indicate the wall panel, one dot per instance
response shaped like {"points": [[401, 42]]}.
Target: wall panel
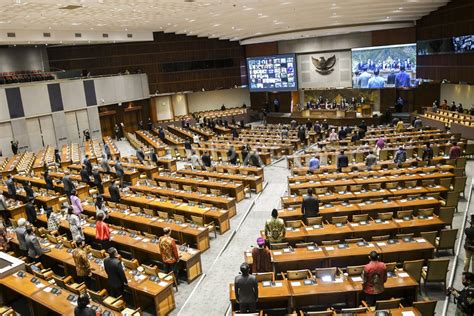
{"points": [[73, 95], [35, 99], [209, 100], [6, 135], [4, 112], [47, 130]]}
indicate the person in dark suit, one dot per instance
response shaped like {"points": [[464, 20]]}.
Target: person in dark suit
{"points": [[11, 187], [33, 246], [114, 192], [14, 146], [88, 164], [28, 190], [30, 211], [48, 180], [97, 180], [115, 274], [154, 157], [68, 184], [84, 175], [246, 290], [342, 161], [310, 205], [232, 155], [82, 308], [206, 159], [140, 155], [149, 124], [119, 171]]}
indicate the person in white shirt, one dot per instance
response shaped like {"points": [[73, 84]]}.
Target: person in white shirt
{"points": [[333, 137], [195, 162], [196, 139]]}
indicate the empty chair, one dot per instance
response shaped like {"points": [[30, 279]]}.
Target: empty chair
{"points": [[340, 188], [390, 266], [297, 274], [387, 304], [406, 213], [385, 216], [187, 188], [355, 310], [354, 270], [446, 239], [427, 182], [430, 236], [294, 224], [445, 182], [435, 271], [391, 185], [446, 214], [410, 184], [355, 187], [179, 218], [426, 308], [339, 219], [314, 220], [325, 272], [425, 212], [407, 235], [131, 264], [375, 186], [413, 268], [360, 218], [380, 238], [114, 303], [265, 276], [330, 242], [280, 245], [319, 191], [304, 244], [321, 313], [202, 190], [216, 191], [353, 240], [459, 184], [198, 220], [163, 215]]}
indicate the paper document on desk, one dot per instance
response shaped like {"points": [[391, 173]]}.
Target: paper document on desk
{"points": [[278, 284], [163, 284], [276, 253], [47, 289], [408, 313], [356, 279], [403, 274], [296, 283], [381, 244]]}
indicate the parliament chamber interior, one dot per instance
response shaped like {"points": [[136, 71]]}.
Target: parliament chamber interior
{"points": [[260, 158]]}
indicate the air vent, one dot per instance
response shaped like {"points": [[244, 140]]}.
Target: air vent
{"points": [[77, 35], [46, 34], [71, 7], [105, 35], [11, 35], [129, 35]]}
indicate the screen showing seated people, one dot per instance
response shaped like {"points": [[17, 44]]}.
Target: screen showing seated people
{"points": [[384, 66], [272, 73], [463, 44]]}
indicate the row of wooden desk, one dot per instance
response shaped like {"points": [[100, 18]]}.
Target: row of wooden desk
{"points": [[81, 189], [296, 294]]}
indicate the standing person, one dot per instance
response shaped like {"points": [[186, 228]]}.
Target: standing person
{"points": [[310, 206], [104, 164], [107, 152], [87, 135], [28, 190], [69, 186], [232, 155], [196, 139], [333, 136], [253, 159], [399, 127], [30, 211], [82, 308], [246, 290], [275, 228], [235, 133], [97, 179], [154, 157], [188, 148], [465, 297], [14, 145], [206, 159], [417, 123], [76, 203], [32, 245], [302, 135], [276, 103], [11, 187], [454, 151], [83, 266], [469, 244], [57, 156], [140, 155], [161, 134], [427, 153], [149, 124], [400, 156], [370, 160], [20, 232], [85, 177], [4, 246], [102, 231], [54, 219], [169, 252], [48, 180], [74, 225], [114, 192], [262, 257], [314, 163], [195, 160], [140, 125], [119, 171], [88, 164], [117, 132], [100, 206], [380, 144], [342, 161], [374, 276], [115, 274], [4, 209]]}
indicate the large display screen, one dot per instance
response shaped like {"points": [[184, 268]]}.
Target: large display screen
{"points": [[463, 44], [384, 66], [272, 73]]}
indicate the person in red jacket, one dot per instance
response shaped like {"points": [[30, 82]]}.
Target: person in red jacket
{"points": [[374, 277], [102, 231], [454, 151]]}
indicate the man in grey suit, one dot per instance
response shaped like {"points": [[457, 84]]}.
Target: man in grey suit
{"points": [[104, 164], [68, 184], [20, 232], [119, 171], [11, 186], [310, 205], [32, 244], [246, 290]]}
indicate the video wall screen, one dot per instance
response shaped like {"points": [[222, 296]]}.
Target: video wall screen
{"points": [[272, 73], [384, 66], [463, 44]]}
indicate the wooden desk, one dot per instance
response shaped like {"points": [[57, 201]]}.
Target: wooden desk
{"points": [[131, 176], [256, 171], [235, 190], [185, 233], [81, 189], [40, 299], [220, 217], [42, 199], [225, 203], [255, 182]]}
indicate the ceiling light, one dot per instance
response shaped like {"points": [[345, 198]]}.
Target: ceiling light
{"points": [[285, 3], [248, 9], [190, 21], [75, 23], [216, 25]]}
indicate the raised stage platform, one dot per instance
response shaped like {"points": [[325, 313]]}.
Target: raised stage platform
{"points": [[301, 118]]}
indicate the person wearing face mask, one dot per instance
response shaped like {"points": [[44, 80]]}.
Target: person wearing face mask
{"points": [[465, 297]]}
